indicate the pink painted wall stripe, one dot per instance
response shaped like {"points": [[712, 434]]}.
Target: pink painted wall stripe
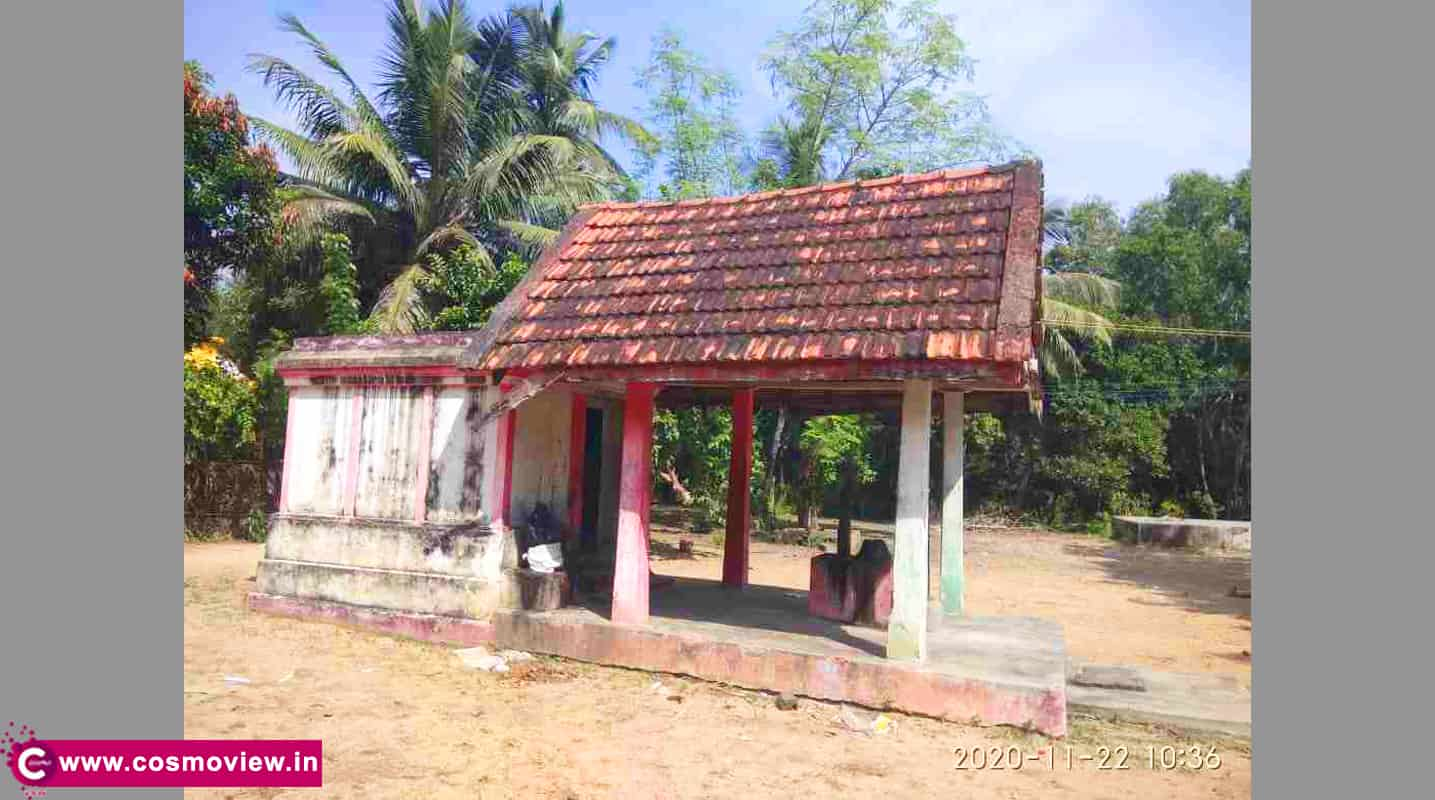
{"points": [[286, 469], [351, 474], [421, 480]]}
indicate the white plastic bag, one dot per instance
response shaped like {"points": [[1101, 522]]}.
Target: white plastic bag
{"points": [[545, 557]]}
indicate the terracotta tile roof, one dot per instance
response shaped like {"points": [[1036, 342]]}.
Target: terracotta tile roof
{"points": [[935, 266]]}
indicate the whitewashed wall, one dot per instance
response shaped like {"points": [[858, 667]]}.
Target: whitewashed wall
{"points": [[317, 451], [540, 454], [457, 451], [462, 468], [388, 452]]}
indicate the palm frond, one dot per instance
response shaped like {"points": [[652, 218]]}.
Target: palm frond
{"points": [[291, 23], [533, 236], [1084, 289], [321, 113], [519, 163], [1075, 320], [371, 148], [307, 211], [400, 308], [1058, 357], [311, 160], [448, 234]]}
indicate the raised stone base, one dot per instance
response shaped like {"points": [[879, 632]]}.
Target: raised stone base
{"points": [[993, 671], [397, 590], [425, 627], [443, 569]]}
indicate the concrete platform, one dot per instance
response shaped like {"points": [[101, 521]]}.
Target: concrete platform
{"points": [[1171, 532], [988, 670], [1193, 702]]}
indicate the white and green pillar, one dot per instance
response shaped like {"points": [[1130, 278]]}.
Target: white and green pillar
{"points": [[907, 627], [953, 578]]}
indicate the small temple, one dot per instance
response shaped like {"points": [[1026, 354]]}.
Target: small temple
{"points": [[415, 467]]}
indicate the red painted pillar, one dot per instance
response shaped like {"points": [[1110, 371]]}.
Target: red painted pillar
{"points": [[507, 427], [577, 435], [739, 497], [630, 570]]}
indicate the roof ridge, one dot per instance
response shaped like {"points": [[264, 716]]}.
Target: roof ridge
{"points": [[753, 197]]}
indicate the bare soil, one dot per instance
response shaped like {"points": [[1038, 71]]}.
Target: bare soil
{"points": [[404, 719]]}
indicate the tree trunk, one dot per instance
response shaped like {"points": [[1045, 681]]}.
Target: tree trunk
{"points": [[685, 497], [849, 503], [769, 479], [1243, 448]]}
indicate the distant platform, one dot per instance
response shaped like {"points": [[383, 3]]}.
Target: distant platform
{"points": [[993, 670], [1220, 534]]}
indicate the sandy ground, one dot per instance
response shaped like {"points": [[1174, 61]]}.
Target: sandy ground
{"points": [[1119, 604], [404, 719]]}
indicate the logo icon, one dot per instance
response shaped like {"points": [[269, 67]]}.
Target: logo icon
{"points": [[31, 761]]}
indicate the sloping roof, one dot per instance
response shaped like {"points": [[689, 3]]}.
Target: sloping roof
{"points": [[939, 266]]}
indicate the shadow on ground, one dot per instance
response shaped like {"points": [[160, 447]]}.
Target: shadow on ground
{"points": [[768, 608], [1199, 582]]}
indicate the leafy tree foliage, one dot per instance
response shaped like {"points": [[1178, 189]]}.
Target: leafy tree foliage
{"points": [[1152, 421], [877, 83], [340, 286], [697, 146], [229, 196], [471, 286]]}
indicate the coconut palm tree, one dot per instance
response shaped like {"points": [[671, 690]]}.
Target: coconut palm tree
{"points": [[557, 71], [1073, 304], [450, 154], [796, 150]]}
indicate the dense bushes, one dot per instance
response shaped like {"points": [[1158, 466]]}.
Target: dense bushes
{"points": [[220, 406]]}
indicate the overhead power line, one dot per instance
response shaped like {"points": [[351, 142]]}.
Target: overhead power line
{"points": [[1156, 329]]}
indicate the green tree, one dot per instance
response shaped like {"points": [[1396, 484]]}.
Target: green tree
{"points": [[1076, 299], [471, 141], [696, 147], [835, 463], [880, 84], [229, 197], [1186, 258], [1082, 237], [471, 286], [791, 155], [219, 406]]}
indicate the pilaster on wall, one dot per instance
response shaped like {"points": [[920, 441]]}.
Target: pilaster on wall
{"points": [[498, 438]]}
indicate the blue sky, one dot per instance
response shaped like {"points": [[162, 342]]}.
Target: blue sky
{"points": [[1114, 95]]}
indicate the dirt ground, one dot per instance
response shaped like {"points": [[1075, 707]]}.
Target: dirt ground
{"points": [[404, 719], [1165, 609]]}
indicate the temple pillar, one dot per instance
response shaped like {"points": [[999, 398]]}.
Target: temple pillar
{"points": [[630, 569], [739, 496], [907, 628], [953, 580]]}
